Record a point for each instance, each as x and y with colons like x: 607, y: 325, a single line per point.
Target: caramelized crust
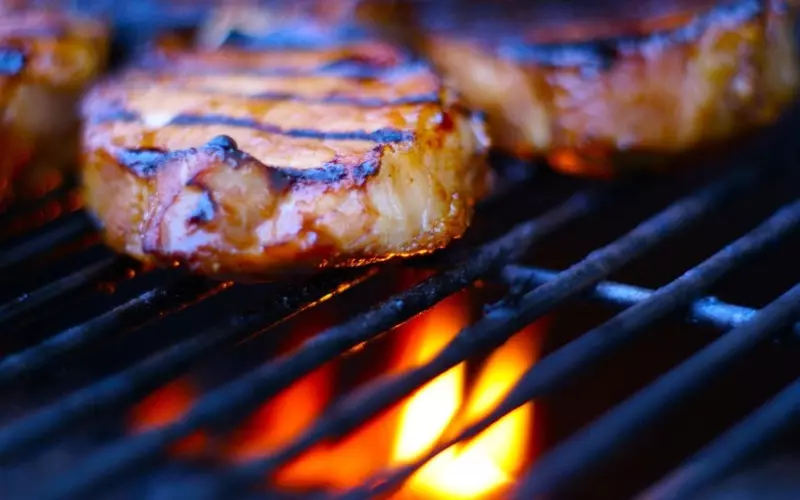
x: 595, y: 96
x: 256, y: 164
x: 46, y: 60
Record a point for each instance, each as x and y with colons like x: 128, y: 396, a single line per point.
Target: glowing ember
x: 490, y: 461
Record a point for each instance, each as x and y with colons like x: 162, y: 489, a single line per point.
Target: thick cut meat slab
x: 257, y: 164
x: 598, y: 86
x: 46, y: 60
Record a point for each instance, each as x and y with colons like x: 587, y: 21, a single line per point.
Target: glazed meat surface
x: 47, y: 59
x: 256, y: 164
x: 595, y: 94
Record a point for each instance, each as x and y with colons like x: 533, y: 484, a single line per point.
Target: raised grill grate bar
x: 51, y: 235
x: 129, y: 455
x: 708, y: 310
x: 552, y: 371
x: 766, y: 424
x: 534, y: 292
x: 134, y: 313
x: 499, y: 324
x: 27, y: 302
x: 19, y: 436
x: 571, y: 458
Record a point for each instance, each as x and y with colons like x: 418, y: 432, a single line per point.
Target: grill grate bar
x: 756, y: 431
x: 26, y: 302
x: 132, y: 314
x: 590, y: 445
x: 707, y: 311
x: 128, y: 456
x: 137, y: 381
x: 51, y: 235
x: 500, y: 323
x: 555, y: 369
x: 21, y: 208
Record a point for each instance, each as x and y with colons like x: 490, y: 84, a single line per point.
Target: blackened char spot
x: 366, y: 169
x: 338, y: 170
x: 279, y: 178
x: 205, y: 210
x: 144, y: 162
x: 12, y: 61
x: 225, y: 142
x: 327, y: 174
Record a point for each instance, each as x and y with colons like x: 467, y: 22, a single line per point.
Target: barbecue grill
x: 647, y: 383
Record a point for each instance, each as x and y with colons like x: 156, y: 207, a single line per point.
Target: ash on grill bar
x: 612, y: 312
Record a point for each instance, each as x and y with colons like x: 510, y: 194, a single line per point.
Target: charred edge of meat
x: 147, y: 162
x: 143, y: 162
x: 603, y: 53
x: 12, y: 61
x: 385, y: 135
x: 339, y: 169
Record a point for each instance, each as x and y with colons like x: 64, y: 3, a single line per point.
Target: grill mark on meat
x: 342, y: 68
x: 603, y: 53
x: 356, y: 102
x: 12, y: 61
x: 146, y: 163
x: 432, y: 97
x: 386, y: 135
x: 339, y: 169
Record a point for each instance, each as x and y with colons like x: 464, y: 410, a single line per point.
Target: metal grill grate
x: 70, y: 277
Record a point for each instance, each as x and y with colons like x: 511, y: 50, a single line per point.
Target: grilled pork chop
x: 596, y: 86
x: 46, y: 60
x: 252, y: 164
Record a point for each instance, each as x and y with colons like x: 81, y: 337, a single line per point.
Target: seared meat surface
x: 253, y: 164
x: 47, y: 59
x: 623, y: 87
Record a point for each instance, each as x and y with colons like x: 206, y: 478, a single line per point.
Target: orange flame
x: 481, y: 468
x: 167, y: 405
x: 285, y: 417
x: 489, y: 462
